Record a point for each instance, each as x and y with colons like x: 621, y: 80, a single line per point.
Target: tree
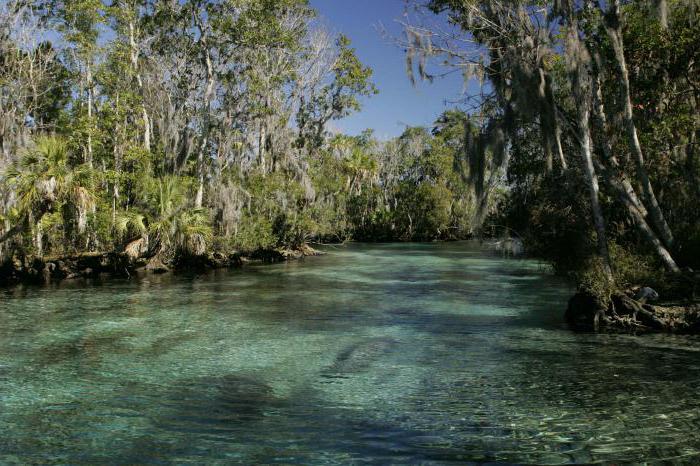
x: 45, y: 181
x: 79, y: 22
x: 337, y: 99
x: 519, y: 48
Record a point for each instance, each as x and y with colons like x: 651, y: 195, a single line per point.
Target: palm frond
x: 130, y: 223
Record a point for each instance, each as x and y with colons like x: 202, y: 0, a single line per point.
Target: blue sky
x: 398, y: 103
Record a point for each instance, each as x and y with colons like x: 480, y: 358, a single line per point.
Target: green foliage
x: 176, y: 129
x: 338, y: 99
x: 174, y: 227
x: 128, y: 225
x: 46, y: 182
x: 592, y: 278
x: 254, y: 234
x: 415, y: 190
x: 638, y: 190
x: 631, y: 269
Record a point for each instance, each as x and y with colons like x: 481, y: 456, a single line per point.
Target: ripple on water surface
x: 429, y: 353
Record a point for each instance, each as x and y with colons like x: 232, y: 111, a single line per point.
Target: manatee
x: 84, y: 349
x: 167, y: 343
x: 359, y: 356
x: 214, y: 403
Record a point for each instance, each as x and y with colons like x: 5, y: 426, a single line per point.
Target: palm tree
x: 361, y: 167
x: 130, y: 226
x: 177, y: 229
x: 44, y: 180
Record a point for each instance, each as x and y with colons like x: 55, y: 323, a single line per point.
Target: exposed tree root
x: 624, y: 314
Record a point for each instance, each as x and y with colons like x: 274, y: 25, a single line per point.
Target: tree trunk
x: 15, y: 230
x: 199, y: 197
x: 622, y: 185
x: 262, y: 137
x: 38, y: 241
x: 602, y: 120
x: 206, y: 117
x: 593, y: 188
x: 648, y: 233
x: 691, y: 162
x: 552, y: 129
x: 579, y: 62
x: 661, y: 7
x: 547, y: 144
x: 612, y: 25
x: 89, y: 157
x: 117, y: 171
x: 24, y: 223
x: 139, y: 82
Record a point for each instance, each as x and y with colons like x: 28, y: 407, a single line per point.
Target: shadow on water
x: 389, y: 354
x: 195, y: 416
x: 199, y: 414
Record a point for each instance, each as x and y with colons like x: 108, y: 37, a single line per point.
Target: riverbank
x: 623, y: 313
x: 35, y: 270
x: 26, y: 269
x: 585, y: 312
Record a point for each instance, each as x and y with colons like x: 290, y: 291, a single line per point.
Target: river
x: 379, y: 354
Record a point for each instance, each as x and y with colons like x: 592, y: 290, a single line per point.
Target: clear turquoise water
x: 383, y: 354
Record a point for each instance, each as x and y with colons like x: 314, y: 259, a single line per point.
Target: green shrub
x: 254, y: 234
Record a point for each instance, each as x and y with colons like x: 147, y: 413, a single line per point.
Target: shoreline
x: 41, y: 271
x: 584, y: 312
x: 624, y: 314
x: 52, y: 270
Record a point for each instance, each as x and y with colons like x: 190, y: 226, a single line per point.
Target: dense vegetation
x: 173, y: 129
x: 596, y: 106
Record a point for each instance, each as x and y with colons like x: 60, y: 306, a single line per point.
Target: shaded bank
x: 623, y: 313
x: 26, y: 269
x: 585, y: 311
x: 34, y: 270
